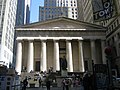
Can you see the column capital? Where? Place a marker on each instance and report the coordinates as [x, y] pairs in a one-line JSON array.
[[69, 39], [56, 39], [92, 39], [19, 40], [30, 39], [79, 40], [43, 40]]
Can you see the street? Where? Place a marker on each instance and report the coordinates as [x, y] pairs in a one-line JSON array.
[[56, 88]]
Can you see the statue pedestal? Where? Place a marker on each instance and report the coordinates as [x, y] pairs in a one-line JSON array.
[[64, 73]]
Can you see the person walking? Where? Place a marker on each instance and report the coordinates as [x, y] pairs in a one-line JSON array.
[[67, 84], [86, 81], [48, 84], [63, 84], [40, 82], [25, 83]]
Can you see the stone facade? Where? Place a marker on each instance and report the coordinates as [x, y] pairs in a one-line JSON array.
[[41, 45]]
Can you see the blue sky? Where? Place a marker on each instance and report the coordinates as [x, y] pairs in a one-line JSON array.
[[35, 9]]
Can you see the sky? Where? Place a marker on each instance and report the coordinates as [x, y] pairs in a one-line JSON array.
[[35, 10]]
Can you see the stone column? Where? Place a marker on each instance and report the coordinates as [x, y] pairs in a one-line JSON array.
[[18, 66], [81, 60], [93, 52], [43, 56], [69, 56], [56, 56], [103, 49], [30, 62]]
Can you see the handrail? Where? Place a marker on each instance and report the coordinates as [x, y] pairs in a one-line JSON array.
[[17, 87]]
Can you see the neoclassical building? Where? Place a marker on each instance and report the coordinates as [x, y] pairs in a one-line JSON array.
[[41, 45]]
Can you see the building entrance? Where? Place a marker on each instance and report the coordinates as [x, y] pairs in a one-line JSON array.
[[37, 66]]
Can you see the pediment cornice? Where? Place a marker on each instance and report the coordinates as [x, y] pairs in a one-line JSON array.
[[62, 23]]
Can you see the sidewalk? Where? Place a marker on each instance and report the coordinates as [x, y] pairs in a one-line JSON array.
[[56, 88]]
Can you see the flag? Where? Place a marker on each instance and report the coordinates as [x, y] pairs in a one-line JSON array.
[[103, 9]]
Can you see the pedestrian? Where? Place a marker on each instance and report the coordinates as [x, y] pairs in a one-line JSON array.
[[63, 84], [76, 82], [48, 84], [40, 82], [92, 87], [86, 81], [73, 82], [25, 83], [67, 84], [81, 81]]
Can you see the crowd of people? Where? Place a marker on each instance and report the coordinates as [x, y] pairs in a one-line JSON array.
[[86, 82]]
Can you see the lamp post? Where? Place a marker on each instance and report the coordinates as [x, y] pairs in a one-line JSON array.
[[108, 52]]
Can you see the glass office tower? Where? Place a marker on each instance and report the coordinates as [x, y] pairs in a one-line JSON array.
[[58, 8]]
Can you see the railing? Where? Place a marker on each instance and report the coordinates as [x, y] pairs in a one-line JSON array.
[[17, 87]]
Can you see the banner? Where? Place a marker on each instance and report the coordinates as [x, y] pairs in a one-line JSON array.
[[103, 9]]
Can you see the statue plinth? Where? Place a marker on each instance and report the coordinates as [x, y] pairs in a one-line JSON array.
[[64, 73]]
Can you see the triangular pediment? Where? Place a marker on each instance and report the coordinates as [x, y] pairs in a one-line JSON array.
[[63, 23]]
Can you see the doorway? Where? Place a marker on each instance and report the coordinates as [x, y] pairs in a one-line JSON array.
[[37, 65]]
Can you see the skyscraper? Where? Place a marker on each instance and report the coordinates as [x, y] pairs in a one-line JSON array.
[[7, 24], [57, 8], [80, 10], [20, 12], [85, 10], [27, 12], [23, 12]]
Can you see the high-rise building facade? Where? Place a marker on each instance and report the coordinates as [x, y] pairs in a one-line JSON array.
[[113, 36], [113, 31], [7, 24], [27, 12], [20, 12], [57, 8], [80, 10], [85, 10], [23, 12]]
